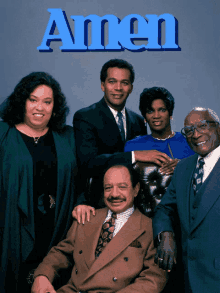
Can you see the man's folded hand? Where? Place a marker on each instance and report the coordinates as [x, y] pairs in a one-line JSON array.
[[166, 251]]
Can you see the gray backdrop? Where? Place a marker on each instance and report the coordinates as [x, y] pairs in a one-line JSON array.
[[191, 75]]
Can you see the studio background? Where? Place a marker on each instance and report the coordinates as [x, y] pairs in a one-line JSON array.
[[191, 75]]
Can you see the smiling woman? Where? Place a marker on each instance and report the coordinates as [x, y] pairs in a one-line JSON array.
[[156, 106], [39, 107], [38, 177]]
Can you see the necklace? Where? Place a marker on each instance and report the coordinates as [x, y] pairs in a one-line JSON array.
[[36, 139], [171, 135]]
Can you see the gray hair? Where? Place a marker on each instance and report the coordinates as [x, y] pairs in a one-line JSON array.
[[210, 111]]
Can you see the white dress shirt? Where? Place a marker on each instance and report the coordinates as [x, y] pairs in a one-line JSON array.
[[210, 161], [121, 219], [115, 114]]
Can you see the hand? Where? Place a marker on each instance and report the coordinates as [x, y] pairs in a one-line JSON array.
[[82, 212], [152, 156], [168, 168], [42, 285], [166, 251]]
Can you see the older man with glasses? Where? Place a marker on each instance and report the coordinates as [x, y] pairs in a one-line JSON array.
[[193, 196]]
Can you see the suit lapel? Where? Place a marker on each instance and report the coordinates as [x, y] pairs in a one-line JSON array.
[[128, 125], [209, 195], [129, 232], [109, 123], [183, 194], [92, 232], [129, 122], [187, 183]]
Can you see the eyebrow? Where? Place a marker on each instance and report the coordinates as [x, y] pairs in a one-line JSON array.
[[120, 80], [117, 183], [38, 97], [151, 108]]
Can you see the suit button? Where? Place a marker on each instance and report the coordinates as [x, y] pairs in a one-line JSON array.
[[80, 252], [193, 217], [126, 258], [115, 279], [76, 271]]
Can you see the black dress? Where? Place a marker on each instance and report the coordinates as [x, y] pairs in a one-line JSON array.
[[44, 157]]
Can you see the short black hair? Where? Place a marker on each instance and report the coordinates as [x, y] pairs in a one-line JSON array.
[[135, 179], [150, 94], [119, 63], [134, 174], [94, 194], [14, 111]]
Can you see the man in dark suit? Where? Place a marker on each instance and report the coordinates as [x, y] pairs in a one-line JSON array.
[[97, 130], [114, 252], [102, 129], [194, 196]]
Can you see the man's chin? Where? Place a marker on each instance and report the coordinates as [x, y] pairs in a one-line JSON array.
[[201, 150]]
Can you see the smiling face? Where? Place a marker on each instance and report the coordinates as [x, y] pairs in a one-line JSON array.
[[158, 118], [39, 107], [119, 193], [203, 143], [117, 87]]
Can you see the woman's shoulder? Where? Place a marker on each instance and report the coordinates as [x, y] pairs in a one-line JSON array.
[[3, 127], [66, 130], [142, 139], [182, 149], [66, 133], [179, 137]]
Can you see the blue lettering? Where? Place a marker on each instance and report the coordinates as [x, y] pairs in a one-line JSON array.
[[57, 19], [97, 32], [120, 33], [154, 32], [127, 33]]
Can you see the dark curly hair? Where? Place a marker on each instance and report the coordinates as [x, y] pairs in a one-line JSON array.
[[119, 63], [14, 110], [150, 94]]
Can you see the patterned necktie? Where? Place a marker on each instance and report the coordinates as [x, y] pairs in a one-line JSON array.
[[197, 178], [121, 126], [106, 234]]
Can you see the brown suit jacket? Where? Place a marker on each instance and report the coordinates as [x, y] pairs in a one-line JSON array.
[[125, 265]]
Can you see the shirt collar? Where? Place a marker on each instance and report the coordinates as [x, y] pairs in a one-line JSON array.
[[115, 113], [126, 214], [212, 156]]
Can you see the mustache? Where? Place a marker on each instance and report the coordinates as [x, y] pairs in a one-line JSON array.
[[110, 199]]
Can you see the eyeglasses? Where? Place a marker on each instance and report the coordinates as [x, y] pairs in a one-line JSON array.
[[201, 127]]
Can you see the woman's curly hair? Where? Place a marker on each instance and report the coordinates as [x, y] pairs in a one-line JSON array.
[[14, 111]]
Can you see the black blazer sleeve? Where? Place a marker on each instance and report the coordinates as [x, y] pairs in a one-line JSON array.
[[98, 139]]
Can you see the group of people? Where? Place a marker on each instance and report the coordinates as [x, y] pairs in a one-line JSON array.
[[45, 167]]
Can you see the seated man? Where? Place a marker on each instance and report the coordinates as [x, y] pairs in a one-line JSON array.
[[126, 264]]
